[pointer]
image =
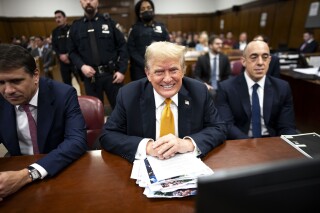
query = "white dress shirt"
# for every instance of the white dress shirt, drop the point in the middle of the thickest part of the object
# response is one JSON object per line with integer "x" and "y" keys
{"x": 260, "y": 92}
{"x": 23, "y": 131}
{"x": 160, "y": 104}
{"x": 216, "y": 56}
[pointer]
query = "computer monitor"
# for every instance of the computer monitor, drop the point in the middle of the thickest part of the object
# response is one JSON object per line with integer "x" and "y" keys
{"x": 285, "y": 186}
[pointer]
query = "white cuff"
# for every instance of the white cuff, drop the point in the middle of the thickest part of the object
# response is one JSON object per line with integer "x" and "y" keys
{"x": 40, "y": 169}
{"x": 142, "y": 149}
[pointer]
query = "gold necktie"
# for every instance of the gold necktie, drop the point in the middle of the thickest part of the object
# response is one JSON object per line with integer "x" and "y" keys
{"x": 167, "y": 119}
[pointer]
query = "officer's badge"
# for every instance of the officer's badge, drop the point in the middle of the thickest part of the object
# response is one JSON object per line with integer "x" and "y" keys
{"x": 105, "y": 28}
{"x": 157, "y": 29}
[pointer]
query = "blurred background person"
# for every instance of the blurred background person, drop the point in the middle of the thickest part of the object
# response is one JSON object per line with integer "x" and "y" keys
{"x": 242, "y": 43}
{"x": 45, "y": 54}
{"x": 213, "y": 67}
{"x": 309, "y": 45}
{"x": 202, "y": 46}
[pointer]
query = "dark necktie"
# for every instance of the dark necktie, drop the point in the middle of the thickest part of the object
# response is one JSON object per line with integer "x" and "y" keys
{"x": 214, "y": 74}
{"x": 32, "y": 128}
{"x": 256, "y": 122}
{"x": 93, "y": 45}
{"x": 167, "y": 119}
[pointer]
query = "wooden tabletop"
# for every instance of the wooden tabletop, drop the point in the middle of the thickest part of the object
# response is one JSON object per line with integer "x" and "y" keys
{"x": 100, "y": 181}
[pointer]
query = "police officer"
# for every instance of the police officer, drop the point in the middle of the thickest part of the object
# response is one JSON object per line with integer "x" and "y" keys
{"x": 59, "y": 45}
{"x": 142, "y": 34}
{"x": 98, "y": 48}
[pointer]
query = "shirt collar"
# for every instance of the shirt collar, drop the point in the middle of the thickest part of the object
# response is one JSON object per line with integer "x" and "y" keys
{"x": 212, "y": 55}
{"x": 250, "y": 82}
{"x": 159, "y": 99}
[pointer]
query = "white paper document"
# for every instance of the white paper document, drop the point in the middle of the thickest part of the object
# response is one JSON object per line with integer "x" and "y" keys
{"x": 309, "y": 71}
{"x": 174, "y": 177}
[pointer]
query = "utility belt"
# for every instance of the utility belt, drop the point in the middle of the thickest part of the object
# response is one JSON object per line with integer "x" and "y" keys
{"x": 104, "y": 69}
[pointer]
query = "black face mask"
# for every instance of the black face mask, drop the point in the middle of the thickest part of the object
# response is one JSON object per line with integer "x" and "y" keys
{"x": 147, "y": 16}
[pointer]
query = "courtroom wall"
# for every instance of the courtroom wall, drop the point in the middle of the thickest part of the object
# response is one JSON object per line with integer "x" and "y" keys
{"x": 284, "y": 23}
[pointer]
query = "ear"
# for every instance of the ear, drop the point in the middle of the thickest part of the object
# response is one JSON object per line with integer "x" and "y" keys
{"x": 243, "y": 61}
{"x": 36, "y": 75}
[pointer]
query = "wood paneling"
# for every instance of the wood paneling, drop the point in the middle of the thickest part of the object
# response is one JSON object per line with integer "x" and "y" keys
{"x": 285, "y": 21}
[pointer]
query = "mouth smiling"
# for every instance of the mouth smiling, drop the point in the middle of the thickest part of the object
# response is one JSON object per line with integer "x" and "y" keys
{"x": 167, "y": 87}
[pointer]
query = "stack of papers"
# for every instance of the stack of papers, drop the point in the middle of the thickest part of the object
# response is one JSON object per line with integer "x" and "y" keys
{"x": 174, "y": 177}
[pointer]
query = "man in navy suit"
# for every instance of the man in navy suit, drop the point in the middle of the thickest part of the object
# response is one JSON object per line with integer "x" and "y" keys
{"x": 58, "y": 128}
{"x": 204, "y": 66}
{"x": 133, "y": 129}
{"x": 234, "y": 99}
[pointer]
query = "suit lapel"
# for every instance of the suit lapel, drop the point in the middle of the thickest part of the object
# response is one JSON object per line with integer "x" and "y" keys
{"x": 207, "y": 64}
{"x": 242, "y": 88}
{"x": 267, "y": 102}
{"x": 10, "y": 136}
{"x": 147, "y": 106}
{"x": 184, "y": 112}
{"x": 46, "y": 112}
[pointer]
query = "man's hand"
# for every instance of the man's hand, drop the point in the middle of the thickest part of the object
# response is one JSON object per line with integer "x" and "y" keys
{"x": 118, "y": 77}
{"x": 209, "y": 87}
{"x": 12, "y": 181}
{"x": 168, "y": 145}
{"x": 64, "y": 58}
{"x": 88, "y": 71}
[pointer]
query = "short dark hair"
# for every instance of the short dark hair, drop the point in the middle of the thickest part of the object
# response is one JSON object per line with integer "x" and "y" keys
{"x": 60, "y": 11}
{"x": 138, "y": 5}
{"x": 15, "y": 57}
{"x": 213, "y": 38}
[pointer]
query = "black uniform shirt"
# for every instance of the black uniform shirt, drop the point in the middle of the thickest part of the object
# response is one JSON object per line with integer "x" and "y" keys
{"x": 141, "y": 36}
{"x": 59, "y": 39}
{"x": 110, "y": 41}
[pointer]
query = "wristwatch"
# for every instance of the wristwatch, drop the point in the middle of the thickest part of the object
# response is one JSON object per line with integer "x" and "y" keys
{"x": 33, "y": 173}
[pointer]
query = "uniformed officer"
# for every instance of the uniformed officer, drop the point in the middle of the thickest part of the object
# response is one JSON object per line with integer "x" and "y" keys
{"x": 98, "y": 48}
{"x": 142, "y": 34}
{"x": 59, "y": 45}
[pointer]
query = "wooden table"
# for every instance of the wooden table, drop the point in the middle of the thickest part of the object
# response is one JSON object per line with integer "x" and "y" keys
{"x": 306, "y": 101}
{"x": 100, "y": 181}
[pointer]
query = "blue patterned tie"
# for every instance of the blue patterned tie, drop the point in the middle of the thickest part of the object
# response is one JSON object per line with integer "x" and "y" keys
{"x": 214, "y": 74}
{"x": 256, "y": 122}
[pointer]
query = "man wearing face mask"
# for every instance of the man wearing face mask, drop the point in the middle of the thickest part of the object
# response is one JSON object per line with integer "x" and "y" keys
{"x": 142, "y": 34}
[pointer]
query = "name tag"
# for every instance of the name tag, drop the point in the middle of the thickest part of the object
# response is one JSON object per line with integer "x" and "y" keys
{"x": 157, "y": 29}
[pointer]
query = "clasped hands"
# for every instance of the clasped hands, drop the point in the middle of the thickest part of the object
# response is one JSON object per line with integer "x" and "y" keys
{"x": 168, "y": 146}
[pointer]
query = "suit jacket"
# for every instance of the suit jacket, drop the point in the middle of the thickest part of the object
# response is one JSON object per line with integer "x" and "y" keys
{"x": 233, "y": 103}
{"x": 61, "y": 130}
{"x": 202, "y": 70}
{"x": 311, "y": 47}
{"x": 134, "y": 118}
{"x": 47, "y": 57}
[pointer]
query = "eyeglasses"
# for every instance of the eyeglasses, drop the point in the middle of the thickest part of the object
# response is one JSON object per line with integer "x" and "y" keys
{"x": 254, "y": 57}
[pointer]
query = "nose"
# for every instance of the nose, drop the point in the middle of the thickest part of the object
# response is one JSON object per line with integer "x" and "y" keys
{"x": 167, "y": 76}
{"x": 8, "y": 88}
{"x": 260, "y": 60}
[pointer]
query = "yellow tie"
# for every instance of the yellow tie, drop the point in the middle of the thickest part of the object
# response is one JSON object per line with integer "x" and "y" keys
{"x": 167, "y": 119}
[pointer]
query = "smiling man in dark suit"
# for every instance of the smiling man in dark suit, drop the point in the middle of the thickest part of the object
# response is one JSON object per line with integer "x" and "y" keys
{"x": 275, "y": 114}
{"x": 37, "y": 116}
{"x": 134, "y": 128}
{"x": 213, "y": 67}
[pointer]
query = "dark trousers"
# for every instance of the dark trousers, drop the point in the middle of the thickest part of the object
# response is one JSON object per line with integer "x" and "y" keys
{"x": 66, "y": 71}
{"x": 102, "y": 84}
